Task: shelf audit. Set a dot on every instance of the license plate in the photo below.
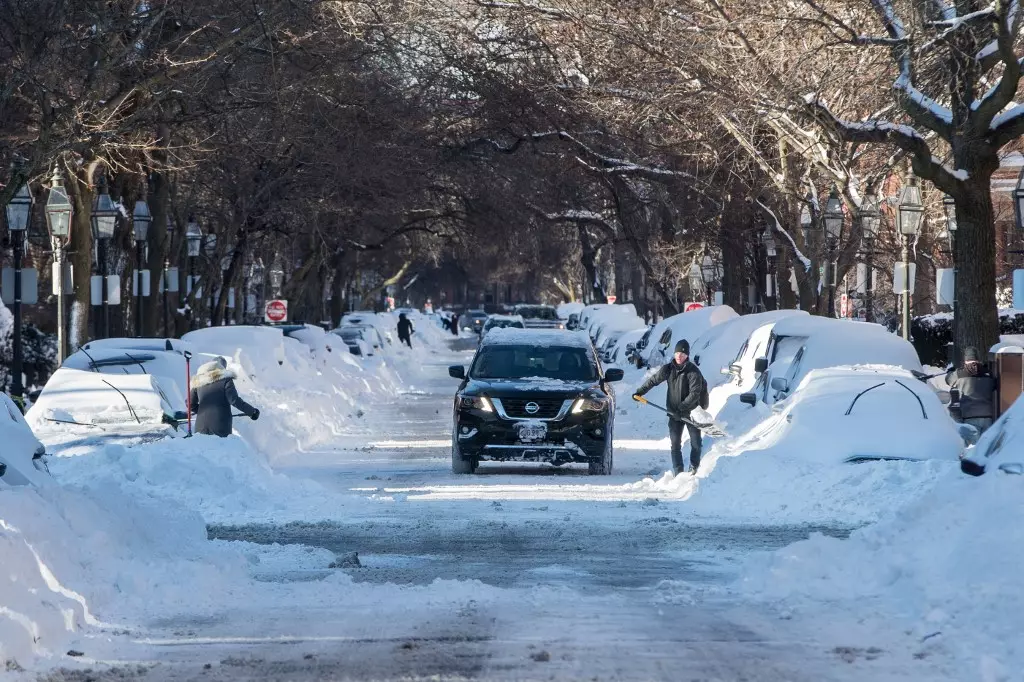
(532, 432)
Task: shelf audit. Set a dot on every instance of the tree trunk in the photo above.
(977, 318)
(79, 254)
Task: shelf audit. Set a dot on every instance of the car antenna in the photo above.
(126, 402)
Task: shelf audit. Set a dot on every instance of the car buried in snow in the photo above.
(539, 316)
(537, 396)
(22, 455)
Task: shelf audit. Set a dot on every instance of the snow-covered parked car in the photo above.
(168, 367)
(726, 352)
(85, 397)
(502, 322)
(22, 455)
(801, 344)
(1001, 447)
(358, 339)
(689, 326)
(619, 351)
(858, 414)
(384, 323)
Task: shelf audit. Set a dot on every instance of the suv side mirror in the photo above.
(3, 468)
(761, 365)
(457, 372)
(748, 399)
(614, 374)
(780, 384)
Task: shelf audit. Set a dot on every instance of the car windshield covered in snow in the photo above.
(499, 361)
(537, 312)
(350, 333)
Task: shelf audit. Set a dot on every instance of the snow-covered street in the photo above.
(367, 558)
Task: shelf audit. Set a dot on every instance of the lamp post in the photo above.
(949, 207)
(712, 273)
(18, 212)
(141, 218)
(166, 273)
(256, 278)
(870, 220)
(833, 231)
(104, 218)
(194, 240)
(58, 222)
(771, 277)
(911, 210)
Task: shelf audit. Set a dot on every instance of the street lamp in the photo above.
(712, 273)
(19, 210)
(771, 277)
(141, 219)
(696, 280)
(194, 241)
(167, 273)
(1018, 199)
(949, 206)
(871, 221)
(104, 219)
(833, 230)
(911, 211)
(58, 222)
(257, 281)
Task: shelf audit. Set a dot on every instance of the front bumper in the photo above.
(574, 438)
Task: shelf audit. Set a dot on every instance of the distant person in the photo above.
(213, 396)
(405, 329)
(455, 324)
(977, 388)
(685, 388)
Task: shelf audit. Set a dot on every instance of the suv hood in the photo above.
(497, 388)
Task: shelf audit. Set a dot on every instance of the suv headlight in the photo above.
(589, 405)
(481, 403)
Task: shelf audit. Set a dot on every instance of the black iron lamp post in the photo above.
(58, 222)
(104, 219)
(833, 231)
(141, 219)
(771, 277)
(911, 211)
(194, 240)
(166, 275)
(19, 211)
(870, 220)
(276, 275)
(949, 207)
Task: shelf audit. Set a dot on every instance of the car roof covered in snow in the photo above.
(511, 336)
(845, 342)
(809, 325)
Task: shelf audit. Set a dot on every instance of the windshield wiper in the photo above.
(857, 397)
(924, 413)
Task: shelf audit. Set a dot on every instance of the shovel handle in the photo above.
(640, 399)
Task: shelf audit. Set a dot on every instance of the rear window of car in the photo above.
(521, 361)
(537, 312)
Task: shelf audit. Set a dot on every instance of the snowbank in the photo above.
(947, 568)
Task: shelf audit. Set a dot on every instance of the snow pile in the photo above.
(67, 555)
(947, 566)
(221, 478)
(305, 394)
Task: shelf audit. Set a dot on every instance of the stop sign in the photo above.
(693, 306)
(612, 299)
(276, 311)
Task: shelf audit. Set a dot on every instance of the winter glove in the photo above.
(255, 415)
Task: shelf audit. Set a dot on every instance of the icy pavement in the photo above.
(368, 559)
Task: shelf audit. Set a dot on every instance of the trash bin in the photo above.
(1008, 367)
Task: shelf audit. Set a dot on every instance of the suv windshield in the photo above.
(537, 312)
(519, 362)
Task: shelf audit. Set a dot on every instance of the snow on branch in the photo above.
(985, 111)
(781, 230)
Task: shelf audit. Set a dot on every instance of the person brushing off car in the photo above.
(213, 396)
(685, 386)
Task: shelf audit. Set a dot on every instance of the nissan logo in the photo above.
(532, 408)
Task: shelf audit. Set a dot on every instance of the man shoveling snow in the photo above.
(687, 391)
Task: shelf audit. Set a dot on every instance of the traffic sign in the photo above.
(276, 311)
(692, 306)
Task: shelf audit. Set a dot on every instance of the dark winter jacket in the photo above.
(976, 392)
(404, 327)
(685, 383)
(213, 396)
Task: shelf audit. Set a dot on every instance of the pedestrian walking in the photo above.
(213, 396)
(686, 386)
(455, 324)
(976, 388)
(405, 329)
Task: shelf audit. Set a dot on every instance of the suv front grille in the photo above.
(516, 407)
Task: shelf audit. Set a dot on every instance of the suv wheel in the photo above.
(461, 465)
(603, 466)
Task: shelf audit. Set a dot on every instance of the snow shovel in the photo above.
(710, 429)
(188, 390)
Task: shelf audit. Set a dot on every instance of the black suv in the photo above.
(533, 395)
